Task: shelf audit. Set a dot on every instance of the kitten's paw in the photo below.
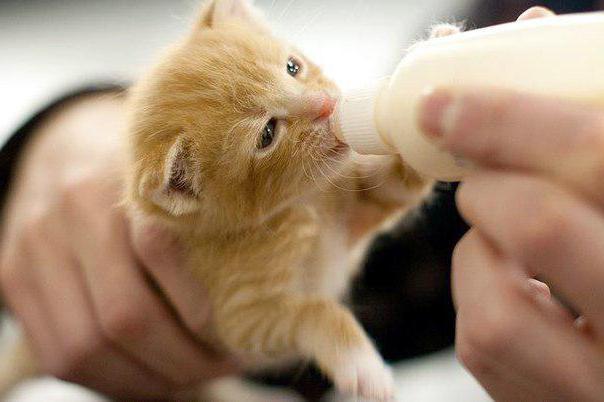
(442, 30)
(364, 374)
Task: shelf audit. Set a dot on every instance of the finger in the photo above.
(561, 139)
(553, 233)
(536, 12)
(162, 255)
(61, 342)
(500, 382)
(21, 295)
(86, 357)
(132, 315)
(498, 319)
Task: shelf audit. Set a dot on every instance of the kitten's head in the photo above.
(232, 119)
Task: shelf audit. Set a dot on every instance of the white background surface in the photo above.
(50, 46)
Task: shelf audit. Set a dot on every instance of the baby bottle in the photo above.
(560, 57)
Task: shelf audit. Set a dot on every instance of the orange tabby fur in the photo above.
(273, 235)
(270, 233)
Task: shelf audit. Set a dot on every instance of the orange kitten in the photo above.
(233, 147)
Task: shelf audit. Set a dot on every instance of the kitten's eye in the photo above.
(268, 135)
(293, 67)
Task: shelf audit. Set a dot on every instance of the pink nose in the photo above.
(326, 108)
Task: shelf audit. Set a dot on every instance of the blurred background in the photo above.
(50, 47)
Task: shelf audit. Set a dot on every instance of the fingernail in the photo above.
(438, 112)
(539, 289)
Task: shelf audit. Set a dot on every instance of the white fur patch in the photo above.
(363, 373)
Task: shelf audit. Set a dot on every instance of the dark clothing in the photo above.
(492, 12)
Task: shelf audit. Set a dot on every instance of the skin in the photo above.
(74, 271)
(516, 339)
(536, 205)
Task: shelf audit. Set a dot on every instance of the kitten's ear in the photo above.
(177, 190)
(216, 12)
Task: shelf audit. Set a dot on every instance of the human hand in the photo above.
(536, 204)
(77, 282)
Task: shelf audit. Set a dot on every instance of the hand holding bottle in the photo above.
(558, 57)
(537, 209)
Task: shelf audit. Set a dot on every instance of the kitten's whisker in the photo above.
(326, 176)
(308, 23)
(318, 183)
(336, 159)
(333, 183)
(270, 10)
(376, 186)
(285, 10)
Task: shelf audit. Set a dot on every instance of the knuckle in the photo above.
(77, 190)
(491, 334)
(127, 322)
(79, 352)
(543, 227)
(471, 359)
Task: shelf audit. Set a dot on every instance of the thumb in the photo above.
(161, 255)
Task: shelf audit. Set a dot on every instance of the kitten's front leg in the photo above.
(312, 328)
(387, 181)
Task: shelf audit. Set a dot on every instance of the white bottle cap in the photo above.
(356, 116)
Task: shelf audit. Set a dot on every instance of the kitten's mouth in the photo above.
(338, 147)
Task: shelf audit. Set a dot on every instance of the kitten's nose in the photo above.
(326, 105)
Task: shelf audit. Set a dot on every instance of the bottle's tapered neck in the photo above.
(356, 115)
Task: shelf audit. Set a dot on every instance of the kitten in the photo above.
(233, 146)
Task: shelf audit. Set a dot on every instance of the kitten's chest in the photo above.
(327, 269)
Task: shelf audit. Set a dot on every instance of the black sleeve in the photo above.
(403, 297)
(11, 151)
